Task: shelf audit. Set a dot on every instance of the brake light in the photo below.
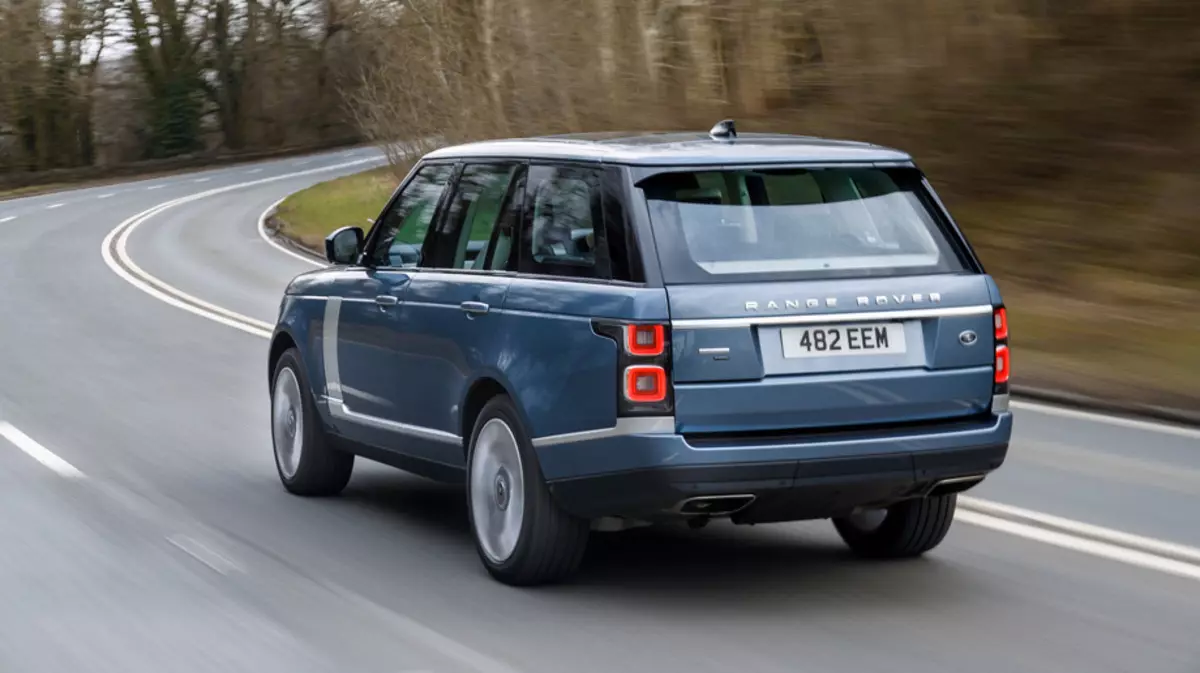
(645, 384)
(643, 373)
(644, 340)
(1003, 368)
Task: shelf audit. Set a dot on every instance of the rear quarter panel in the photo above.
(564, 374)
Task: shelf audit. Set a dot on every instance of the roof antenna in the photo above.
(724, 130)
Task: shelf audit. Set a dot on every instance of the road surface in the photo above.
(144, 529)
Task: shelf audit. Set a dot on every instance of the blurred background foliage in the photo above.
(1063, 135)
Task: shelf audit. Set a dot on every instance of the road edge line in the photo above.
(262, 233)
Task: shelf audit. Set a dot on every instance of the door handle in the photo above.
(386, 300)
(474, 307)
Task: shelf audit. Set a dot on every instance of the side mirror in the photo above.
(344, 245)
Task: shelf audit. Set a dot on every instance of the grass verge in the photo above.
(1127, 340)
(308, 216)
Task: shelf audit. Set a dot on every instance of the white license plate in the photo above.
(851, 339)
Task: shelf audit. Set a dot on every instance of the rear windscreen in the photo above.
(795, 223)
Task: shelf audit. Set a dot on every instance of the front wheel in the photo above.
(522, 536)
(906, 529)
(306, 463)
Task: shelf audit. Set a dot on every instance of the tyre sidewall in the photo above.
(502, 407)
(312, 434)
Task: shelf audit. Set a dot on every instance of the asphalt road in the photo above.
(143, 528)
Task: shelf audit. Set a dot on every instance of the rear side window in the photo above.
(576, 225)
(795, 223)
(563, 214)
(463, 237)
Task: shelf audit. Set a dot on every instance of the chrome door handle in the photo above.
(474, 307)
(385, 300)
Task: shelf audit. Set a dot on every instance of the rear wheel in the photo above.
(906, 529)
(522, 536)
(306, 463)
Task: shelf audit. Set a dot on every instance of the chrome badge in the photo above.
(967, 337)
(832, 302)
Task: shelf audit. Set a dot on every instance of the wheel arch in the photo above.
(482, 390)
(280, 343)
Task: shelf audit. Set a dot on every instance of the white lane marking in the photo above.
(106, 196)
(1133, 423)
(204, 554)
(55, 205)
(127, 269)
(254, 170)
(10, 218)
(262, 233)
(156, 187)
(201, 179)
(170, 296)
(303, 162)
(38, 452)
(1091, 547)
(1140, 543)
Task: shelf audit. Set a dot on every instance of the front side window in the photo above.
(402, 230)
(795, 223)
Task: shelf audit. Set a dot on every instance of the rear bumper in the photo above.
(650, 476)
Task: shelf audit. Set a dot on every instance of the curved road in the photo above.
(144, 529)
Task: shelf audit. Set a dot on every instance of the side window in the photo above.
(401, 231)
(464, 237)
(625, 260)
(564, 223)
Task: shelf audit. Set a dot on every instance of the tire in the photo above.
(522, 536)
(307, 464)
(908, 529)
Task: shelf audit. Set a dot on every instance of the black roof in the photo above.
(676, 148)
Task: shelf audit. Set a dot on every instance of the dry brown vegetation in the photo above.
(1062, 134)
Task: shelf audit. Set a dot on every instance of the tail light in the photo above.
(645, 384)
(1003, 364)
(645, 340)
(1000, 319)
(643, 370)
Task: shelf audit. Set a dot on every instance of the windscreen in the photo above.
(795, 223)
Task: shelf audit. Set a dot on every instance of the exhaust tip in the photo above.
(715, 505)
(954, 485)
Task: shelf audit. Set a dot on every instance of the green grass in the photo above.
(308, 216)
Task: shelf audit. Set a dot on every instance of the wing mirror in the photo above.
(344, 245)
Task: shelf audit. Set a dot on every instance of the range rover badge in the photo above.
(967, 338)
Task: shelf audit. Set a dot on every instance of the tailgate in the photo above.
(837, 353)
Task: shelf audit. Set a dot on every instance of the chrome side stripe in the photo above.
(646, 425)
(339, 410)
(329, 353)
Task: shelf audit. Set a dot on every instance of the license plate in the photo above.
(851, 339)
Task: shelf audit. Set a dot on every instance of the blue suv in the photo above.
(599, 331)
